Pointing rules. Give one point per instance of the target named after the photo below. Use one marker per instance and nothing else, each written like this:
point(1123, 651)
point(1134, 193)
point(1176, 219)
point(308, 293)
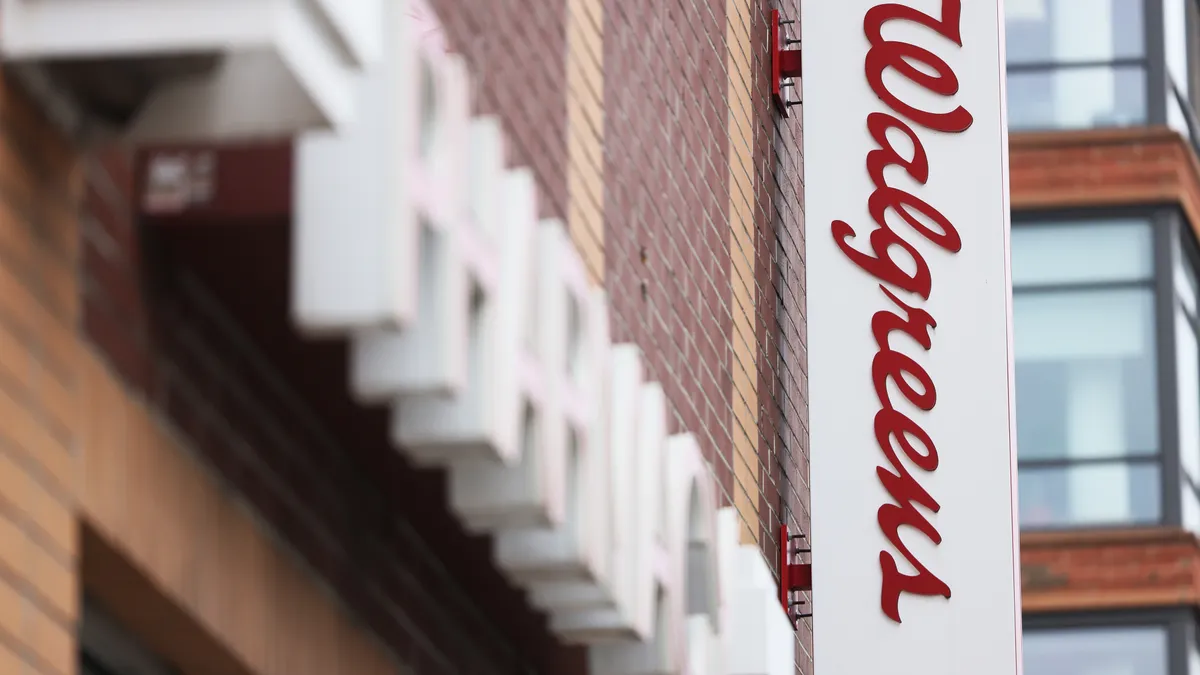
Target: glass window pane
point(1096, 651)
point(1176, 116)
point(1191, 508)
point(1089, 494)
point(1116, 250)
point(1077, 98)
point(1185, 279)
point(1085, 374)
point(1188, 381)
point(1175, 42)
point(1061, 31)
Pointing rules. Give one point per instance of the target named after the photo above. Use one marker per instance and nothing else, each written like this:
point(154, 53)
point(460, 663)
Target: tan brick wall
point(175, 554)
point(585, 132)
point(39, 191)
point(741, 209)
point(147, 498)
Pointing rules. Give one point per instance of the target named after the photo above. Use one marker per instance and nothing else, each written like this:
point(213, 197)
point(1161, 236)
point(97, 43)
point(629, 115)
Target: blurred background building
point(1101, 100)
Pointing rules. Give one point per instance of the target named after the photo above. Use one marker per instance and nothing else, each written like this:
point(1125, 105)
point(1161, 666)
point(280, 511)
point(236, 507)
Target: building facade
point(1101, 101)
point(205, 468)
point(391, 337)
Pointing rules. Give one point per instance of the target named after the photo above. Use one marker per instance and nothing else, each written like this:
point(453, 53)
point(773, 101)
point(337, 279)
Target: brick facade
point(270, 414)
point(159, 354)
point(40, 436)
point(515, 51)
point(1111, 167)
point(181, 561)
point(1107, 569)
point(667, 221)
point(99, 495)
point(175, 434)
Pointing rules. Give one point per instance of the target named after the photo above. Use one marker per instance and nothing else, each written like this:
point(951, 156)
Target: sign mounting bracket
point(786, 64)
point(794, 577)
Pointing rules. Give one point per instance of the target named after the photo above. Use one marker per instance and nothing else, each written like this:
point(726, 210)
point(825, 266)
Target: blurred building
point(353, 336)
point(1102, 110)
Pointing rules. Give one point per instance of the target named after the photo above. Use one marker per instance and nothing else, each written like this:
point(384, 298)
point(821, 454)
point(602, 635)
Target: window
point(1181, 26)
point(1187, 370)
point(1075, 63)
point(1176, 18)
point(1086, 390)
point(1106, 650)
point(105, 648)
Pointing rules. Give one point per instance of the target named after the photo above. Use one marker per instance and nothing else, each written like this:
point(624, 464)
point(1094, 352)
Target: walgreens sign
point(913, 460)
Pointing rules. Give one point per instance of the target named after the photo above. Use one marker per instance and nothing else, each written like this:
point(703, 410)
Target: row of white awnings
point(476, 323)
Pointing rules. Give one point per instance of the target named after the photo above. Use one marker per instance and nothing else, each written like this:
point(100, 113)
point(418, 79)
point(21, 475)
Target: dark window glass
point(1096, 651)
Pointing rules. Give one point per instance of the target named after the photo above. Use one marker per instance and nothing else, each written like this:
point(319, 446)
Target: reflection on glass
point(1185, 279)
point(1111, 250)
point(1085, 374)
point(1177, 117)
point(1086, 379)
point(1191, 508)
point(1073, 31)
point(1187, 361)
point(1077, 98)
point(1089, 494)
point(1096, 651)
point(1175, 28)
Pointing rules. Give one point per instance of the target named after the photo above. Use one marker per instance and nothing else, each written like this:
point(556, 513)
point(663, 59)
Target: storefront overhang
point(196, 69)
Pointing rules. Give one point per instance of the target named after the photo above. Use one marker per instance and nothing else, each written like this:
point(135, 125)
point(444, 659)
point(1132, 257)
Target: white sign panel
point(913, 458)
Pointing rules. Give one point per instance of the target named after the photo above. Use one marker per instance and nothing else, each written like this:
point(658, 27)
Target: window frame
point(111, 648)
point(1179, 622)
point(1160, 86)
point(1165, 224)
point(1170, 88)
point(1189, 250)
point(1189, 103)
point(1152, 63)
point(1165, 88)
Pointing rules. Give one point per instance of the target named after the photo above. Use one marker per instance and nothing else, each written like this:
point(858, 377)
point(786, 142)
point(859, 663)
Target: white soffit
point(285, 66)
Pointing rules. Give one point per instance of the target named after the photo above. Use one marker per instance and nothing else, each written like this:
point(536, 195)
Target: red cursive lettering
point(895, 432)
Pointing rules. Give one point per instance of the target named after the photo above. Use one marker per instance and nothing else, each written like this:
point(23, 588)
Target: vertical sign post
point(914, 532)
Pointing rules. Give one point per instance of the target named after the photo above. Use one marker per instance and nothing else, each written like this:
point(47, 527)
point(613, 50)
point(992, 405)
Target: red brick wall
point(666, 219)
point(1097, 168)
point(1104, 167)
point(667, 241)
point(515, 51)
point(667, 257)
point(1151, 567)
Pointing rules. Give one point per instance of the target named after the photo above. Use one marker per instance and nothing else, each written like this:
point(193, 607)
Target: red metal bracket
point(786, 64)
point(793, 576)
